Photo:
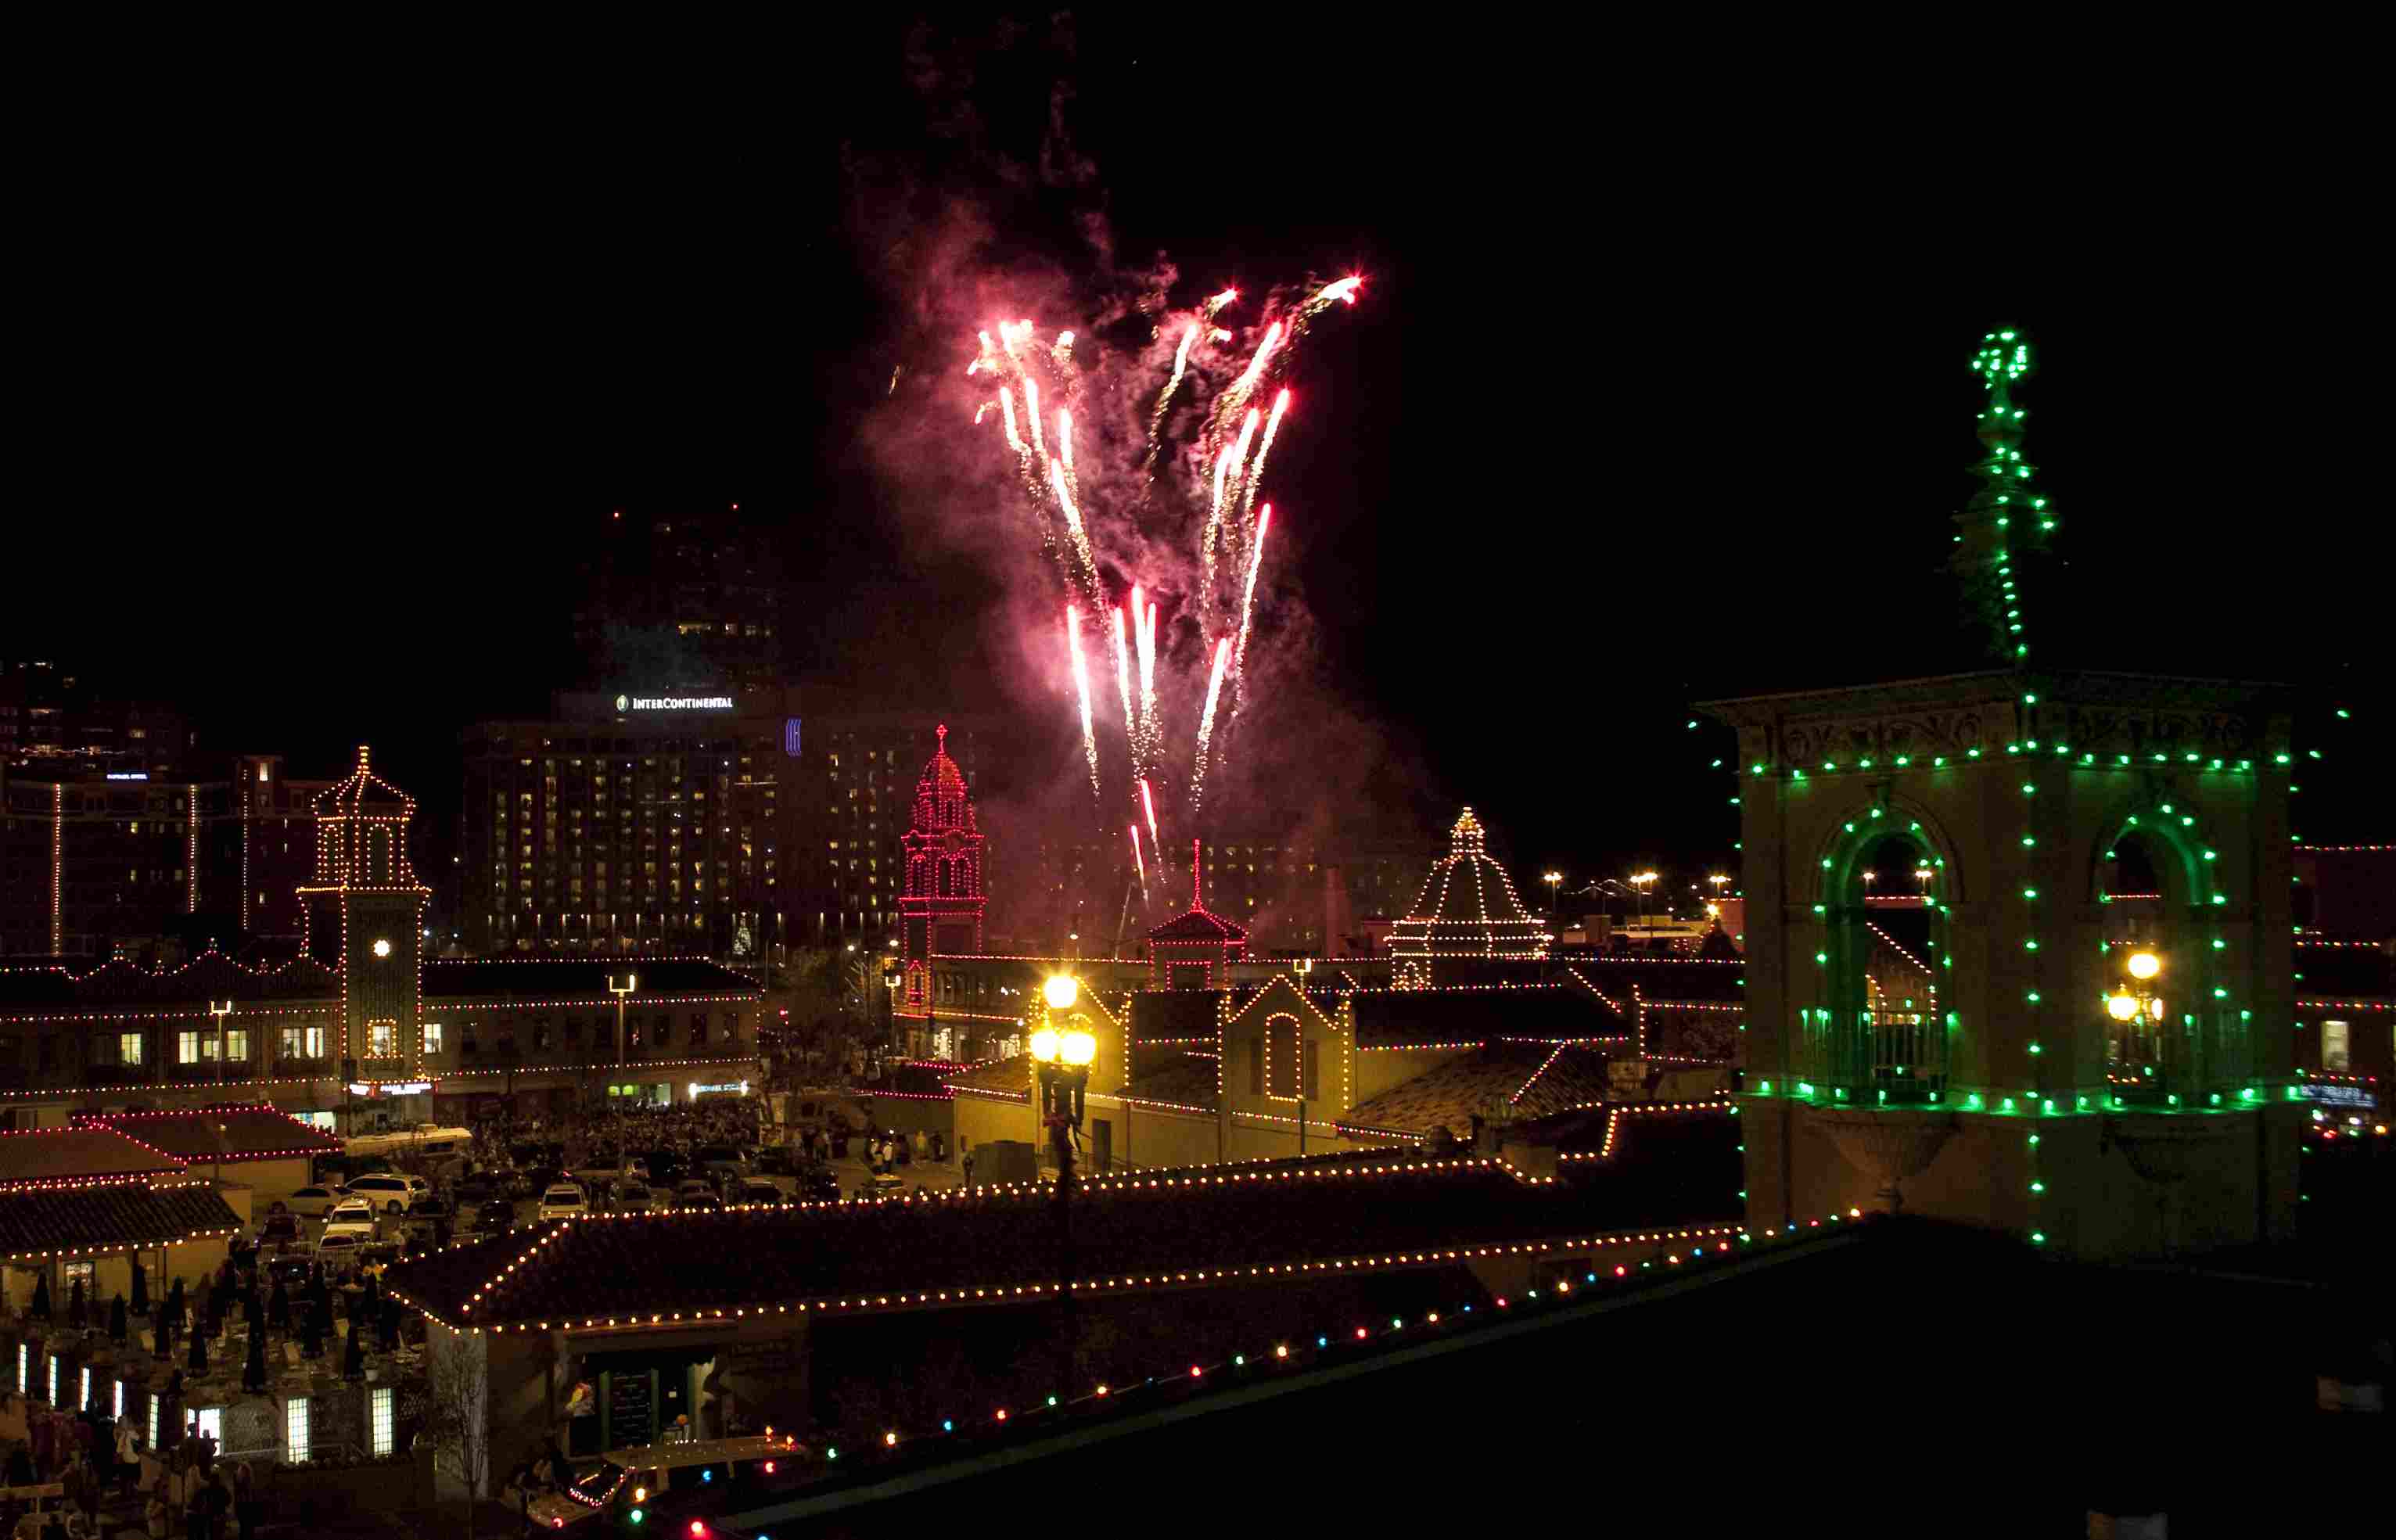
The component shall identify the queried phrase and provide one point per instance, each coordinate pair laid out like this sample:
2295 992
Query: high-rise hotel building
726 825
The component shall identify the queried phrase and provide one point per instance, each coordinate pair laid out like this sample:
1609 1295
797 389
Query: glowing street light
2145 965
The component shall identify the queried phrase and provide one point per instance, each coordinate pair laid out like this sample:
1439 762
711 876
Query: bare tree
456 1413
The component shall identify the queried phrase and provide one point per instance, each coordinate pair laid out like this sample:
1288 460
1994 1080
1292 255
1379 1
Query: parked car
314 1201
700 1199
495 1215
353 1211
756 1189
636 1169
394 1192
780 1161
564 1200
693 1186
819 1183
341 1246
281 1229
883 1187
634 1198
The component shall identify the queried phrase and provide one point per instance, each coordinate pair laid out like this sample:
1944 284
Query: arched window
2172 1030
1878 1027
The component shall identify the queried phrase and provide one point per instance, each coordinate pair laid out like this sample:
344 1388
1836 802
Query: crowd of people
580 1139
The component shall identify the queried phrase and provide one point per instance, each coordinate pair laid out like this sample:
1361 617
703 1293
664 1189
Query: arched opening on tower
2168 1035
1879 1029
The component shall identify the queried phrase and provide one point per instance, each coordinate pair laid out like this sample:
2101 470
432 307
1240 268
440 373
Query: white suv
564 1202
394 1193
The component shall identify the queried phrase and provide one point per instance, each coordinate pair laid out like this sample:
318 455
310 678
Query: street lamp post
620 985
1062 1062
1554 880
1643 881
220 1009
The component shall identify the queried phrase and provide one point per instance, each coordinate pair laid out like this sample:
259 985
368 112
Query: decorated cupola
364 917
1194 951
1468 908
940 901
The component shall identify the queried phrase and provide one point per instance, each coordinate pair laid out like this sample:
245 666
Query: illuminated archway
1875 1028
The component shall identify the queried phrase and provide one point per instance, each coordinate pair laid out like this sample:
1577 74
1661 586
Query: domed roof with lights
1468 906
941 800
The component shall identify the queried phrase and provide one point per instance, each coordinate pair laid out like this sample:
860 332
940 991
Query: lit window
128 1048
380 1433
382 1039
433 1037
54 1379
119 1411
2337 1047
211 1421
295 1428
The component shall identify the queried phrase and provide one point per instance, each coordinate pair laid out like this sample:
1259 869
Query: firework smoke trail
1082 689
1065 433
1149 804
1206 726
1247 605
1059 481
1007 405
1144 743
1032 410
1139 864
1256 469
1122 684
1257 366
1164 400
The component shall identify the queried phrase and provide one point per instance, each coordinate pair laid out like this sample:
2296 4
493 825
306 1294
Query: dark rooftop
577 978
113 1218
71 1154
250 1132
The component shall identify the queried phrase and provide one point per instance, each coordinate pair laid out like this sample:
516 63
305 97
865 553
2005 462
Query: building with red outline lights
940 903
1194 951
1468 908
365 919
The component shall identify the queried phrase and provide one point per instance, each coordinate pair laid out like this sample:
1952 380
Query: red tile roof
116 1219
74 1154
250 1132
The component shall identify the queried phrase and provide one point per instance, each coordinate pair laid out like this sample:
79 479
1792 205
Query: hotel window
2337 1050
433 1037
211 1421
119 1409
698 1028
237 1044
380 1435
382 1039
295 1428
193 1047
153 1422
128 1048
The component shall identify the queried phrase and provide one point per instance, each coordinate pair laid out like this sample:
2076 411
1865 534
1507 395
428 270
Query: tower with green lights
2044 1087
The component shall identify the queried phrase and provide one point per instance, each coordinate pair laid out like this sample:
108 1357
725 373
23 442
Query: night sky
1647 400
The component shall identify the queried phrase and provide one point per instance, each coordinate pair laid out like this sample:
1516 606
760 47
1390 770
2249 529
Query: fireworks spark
1139 865
1206 726
1007 405
1082 689
1225 464
1123 672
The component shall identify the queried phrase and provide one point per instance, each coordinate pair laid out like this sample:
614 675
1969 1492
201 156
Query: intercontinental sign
673 703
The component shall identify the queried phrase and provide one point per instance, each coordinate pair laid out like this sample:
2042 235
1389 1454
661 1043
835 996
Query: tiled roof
1219 1221
1389 1016
65 1154
1198 925
250 1132
1532 1079
109 1218
210 975
1179 1080
1000 1075
577 978
1716 983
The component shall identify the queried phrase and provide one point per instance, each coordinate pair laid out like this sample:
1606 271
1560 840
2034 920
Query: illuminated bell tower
364 912
941 906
